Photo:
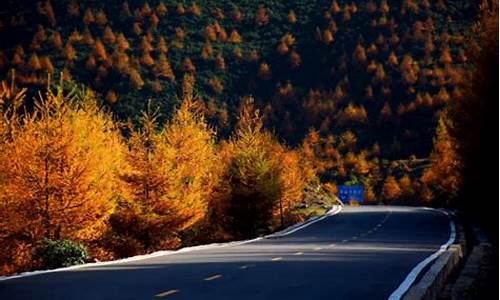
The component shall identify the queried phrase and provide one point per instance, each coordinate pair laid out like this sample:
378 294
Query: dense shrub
60 253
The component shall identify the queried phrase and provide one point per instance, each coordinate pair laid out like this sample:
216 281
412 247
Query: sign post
347 193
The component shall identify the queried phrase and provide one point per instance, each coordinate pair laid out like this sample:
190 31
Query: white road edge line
333 211
412 276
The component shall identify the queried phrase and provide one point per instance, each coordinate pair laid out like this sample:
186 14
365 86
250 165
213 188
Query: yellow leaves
235 37
443 175
352 114
171 175
61 164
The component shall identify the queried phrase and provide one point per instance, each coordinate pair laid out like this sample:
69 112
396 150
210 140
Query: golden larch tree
61 163
170 179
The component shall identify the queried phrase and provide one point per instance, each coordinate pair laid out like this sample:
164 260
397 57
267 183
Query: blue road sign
350 192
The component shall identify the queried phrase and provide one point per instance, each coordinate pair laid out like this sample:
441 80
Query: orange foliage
390 188
352 114
443 176
261 17
292 18
171 176
163 68
108 35
88 17
235 37
62 163
237 15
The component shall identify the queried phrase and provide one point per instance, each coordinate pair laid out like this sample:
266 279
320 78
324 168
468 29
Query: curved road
361 253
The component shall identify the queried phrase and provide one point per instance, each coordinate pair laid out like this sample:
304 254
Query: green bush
60 253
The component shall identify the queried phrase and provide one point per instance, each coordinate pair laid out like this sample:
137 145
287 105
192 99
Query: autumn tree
101 19
100 51
359 54
443 176
162 45
135 78
111 97
264 71
188 65
406 185
34 62
161 9
170 179
57 40
69 52
163 68
261 17
292 18
122 43
260 188
108 36
62 163
390 188
195 9
235 37
88 17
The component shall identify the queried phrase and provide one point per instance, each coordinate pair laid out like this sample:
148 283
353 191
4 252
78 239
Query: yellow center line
213 277
298 253
166 293
276 258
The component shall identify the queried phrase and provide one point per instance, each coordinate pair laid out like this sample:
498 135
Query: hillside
381 69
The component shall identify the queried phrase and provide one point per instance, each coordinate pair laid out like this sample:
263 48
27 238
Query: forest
135 126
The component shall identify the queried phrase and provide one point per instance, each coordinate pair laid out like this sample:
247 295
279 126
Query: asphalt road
360 253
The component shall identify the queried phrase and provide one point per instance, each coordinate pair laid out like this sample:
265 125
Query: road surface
360 253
